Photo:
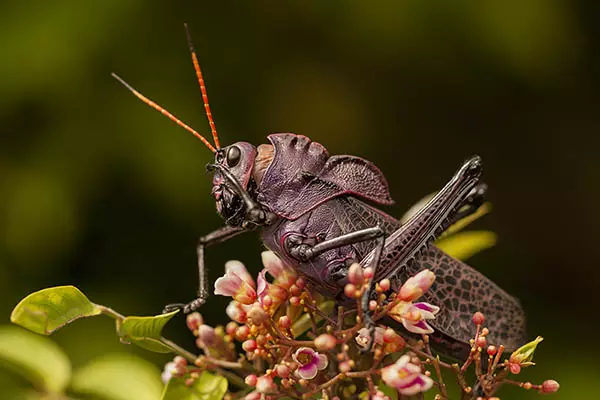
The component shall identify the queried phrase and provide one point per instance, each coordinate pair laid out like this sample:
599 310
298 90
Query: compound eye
233 156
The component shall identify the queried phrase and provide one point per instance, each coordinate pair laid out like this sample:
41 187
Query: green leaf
145 331
38 359
118 377
50 309
464 245
304 323
207 387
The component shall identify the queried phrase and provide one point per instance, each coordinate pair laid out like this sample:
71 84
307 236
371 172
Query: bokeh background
99 191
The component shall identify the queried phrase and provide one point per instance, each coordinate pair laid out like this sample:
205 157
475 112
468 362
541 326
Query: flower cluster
285 340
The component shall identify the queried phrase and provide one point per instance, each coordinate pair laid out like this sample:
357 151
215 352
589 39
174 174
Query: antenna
166 113
213 129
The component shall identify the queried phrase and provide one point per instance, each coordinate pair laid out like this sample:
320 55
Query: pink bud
267 301
282 371
301 283
385 284
492 350
355 274
325 342
193 321
350 290
249 345
478 318
265 384
295 290
481 341
242 332
415 286
372 305
231 327
368 272
285 322
295 301
549 386
236 312
251 380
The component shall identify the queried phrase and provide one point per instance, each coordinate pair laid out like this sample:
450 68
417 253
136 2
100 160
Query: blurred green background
99 191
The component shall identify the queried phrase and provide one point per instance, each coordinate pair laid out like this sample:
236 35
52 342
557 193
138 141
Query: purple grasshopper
316 212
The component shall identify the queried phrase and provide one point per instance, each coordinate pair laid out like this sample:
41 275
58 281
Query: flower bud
355 274
193 321
325 342
295 290
285 322
481 342
236 312
251 380
241 333
415 286
282 371
372 305
492 350
549 386
368 272
350 290
265 384
249 345
385 285
231 328
478 318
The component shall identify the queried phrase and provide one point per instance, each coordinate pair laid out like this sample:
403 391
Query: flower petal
307 371
237 267
273 264
420 383
420 327
322 361
227 285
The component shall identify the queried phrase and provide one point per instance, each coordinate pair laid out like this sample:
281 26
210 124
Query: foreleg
215 237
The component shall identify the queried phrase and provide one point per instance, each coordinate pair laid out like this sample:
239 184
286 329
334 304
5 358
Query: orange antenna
164 112
213 129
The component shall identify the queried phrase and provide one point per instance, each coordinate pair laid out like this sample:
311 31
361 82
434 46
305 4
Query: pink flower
237 312
236 283
414 316
284 276
310 362
415 286
406 377
276 294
